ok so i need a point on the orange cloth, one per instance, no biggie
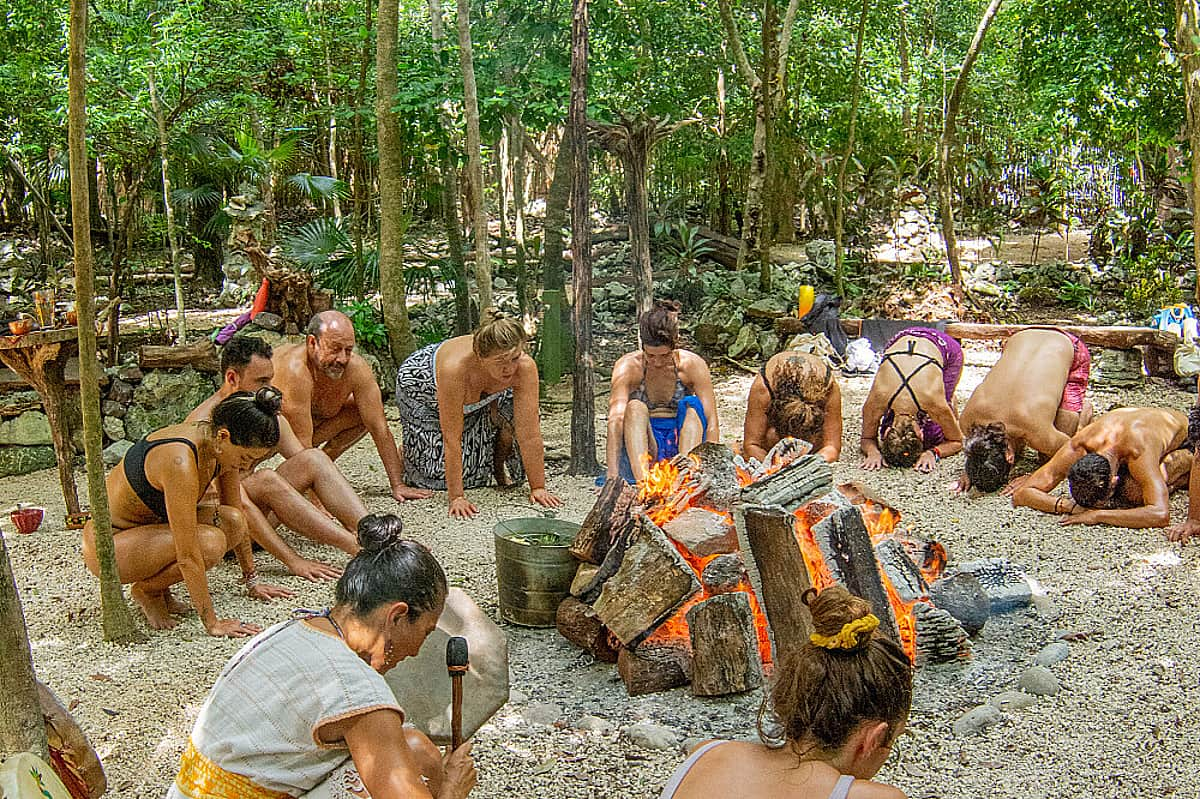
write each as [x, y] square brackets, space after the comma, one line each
[260, 299]
[200, 778]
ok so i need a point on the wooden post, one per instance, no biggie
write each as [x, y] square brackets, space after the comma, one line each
[783, 578]
[725, 657]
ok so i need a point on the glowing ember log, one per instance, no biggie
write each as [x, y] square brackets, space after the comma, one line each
[652, 580]
[580, 625]
[904, 574]
[725, 656]
[779, 573]
[779, 456]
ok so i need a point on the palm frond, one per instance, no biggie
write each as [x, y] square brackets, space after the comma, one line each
[319, 187]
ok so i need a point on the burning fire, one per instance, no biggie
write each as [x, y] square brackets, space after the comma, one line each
[666, 493]
[881, 523]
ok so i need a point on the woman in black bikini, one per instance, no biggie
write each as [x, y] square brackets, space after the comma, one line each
[662, 400]
[909, 417]
[161, 533]
[795, 395]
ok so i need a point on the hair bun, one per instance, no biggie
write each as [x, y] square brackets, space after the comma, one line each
[491, 315]
[377, 532]
[268, 399]
[841, 621]
[668, 305]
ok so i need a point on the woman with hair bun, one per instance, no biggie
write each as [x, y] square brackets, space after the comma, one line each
[161, 532]
[464, 403]
[303, 710]
[662, 400]
[794, 396]
[834, 711]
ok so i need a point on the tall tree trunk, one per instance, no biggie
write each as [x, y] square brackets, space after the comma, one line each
[723, 220]
[768, 90]
[516, 138]
[905, 68]
[21, 725]
[391, 186]
[636, 165]
[361, 188]
[160, 121]
[117, 620]
[946, 145]
[839, 213]
[557, 197]
[583, 395]
[450, 191]
[1187, 31]
[479, 221]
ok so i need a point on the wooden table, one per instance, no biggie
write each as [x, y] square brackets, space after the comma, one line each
[41, 358]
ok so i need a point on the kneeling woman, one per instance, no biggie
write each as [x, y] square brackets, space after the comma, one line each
[662, 400]
[909, 417]
[288, 708]
[794, 396]
[462, 403]
[161, 533]
[833, 714]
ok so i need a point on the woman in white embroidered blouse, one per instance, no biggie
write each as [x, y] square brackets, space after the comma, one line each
[286, 711]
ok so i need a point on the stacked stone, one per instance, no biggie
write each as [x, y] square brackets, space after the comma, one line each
[913, 232]
[25, 442]
[1119, 368]
[613, 305]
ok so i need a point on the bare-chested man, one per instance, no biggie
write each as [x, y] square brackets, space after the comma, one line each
[1120, 468]
[1034, 396]
[271, 496]
[331, 399]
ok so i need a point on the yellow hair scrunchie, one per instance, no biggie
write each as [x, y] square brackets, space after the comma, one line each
[848, 637]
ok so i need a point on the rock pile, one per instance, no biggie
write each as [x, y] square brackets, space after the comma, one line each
[136, 404]
[913, 231]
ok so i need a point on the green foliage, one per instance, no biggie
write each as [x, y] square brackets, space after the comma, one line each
[369, 329]
[1151, 283]
[1077, 295]
[326, 248]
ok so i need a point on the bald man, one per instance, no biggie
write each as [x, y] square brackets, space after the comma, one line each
[331, 399]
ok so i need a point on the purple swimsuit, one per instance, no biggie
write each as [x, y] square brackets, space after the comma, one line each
[951, 366]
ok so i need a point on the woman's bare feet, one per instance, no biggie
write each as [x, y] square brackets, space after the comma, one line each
[176, 607]
[158, 616]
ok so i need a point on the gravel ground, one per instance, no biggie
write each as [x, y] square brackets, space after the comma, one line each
[1129, 597]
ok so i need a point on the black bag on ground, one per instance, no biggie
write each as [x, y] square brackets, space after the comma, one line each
[824, 318]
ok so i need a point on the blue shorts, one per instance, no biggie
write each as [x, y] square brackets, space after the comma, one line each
[666, 435]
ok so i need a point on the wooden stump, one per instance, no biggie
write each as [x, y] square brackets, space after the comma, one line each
[580, 625]
[652, 668]
[725, 657]
[652, 580]
[782, 577]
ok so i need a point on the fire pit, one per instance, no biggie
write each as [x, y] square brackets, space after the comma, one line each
[697, 574]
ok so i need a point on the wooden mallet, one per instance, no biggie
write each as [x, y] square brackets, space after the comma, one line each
[457, 663]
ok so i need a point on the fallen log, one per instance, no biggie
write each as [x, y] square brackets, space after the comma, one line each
[725, 657]
[780, 577]
[201, 355]
[1115, 337]
[580, 625]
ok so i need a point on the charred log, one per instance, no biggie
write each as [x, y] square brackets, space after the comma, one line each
[846, 547]
[612, 512]
[652, 668]
[805, 478]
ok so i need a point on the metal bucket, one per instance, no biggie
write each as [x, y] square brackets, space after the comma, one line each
[533, 577]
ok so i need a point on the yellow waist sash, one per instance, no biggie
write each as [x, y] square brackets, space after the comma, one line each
[200, 778]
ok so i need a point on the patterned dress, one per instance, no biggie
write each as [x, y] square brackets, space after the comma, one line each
[424, 447]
